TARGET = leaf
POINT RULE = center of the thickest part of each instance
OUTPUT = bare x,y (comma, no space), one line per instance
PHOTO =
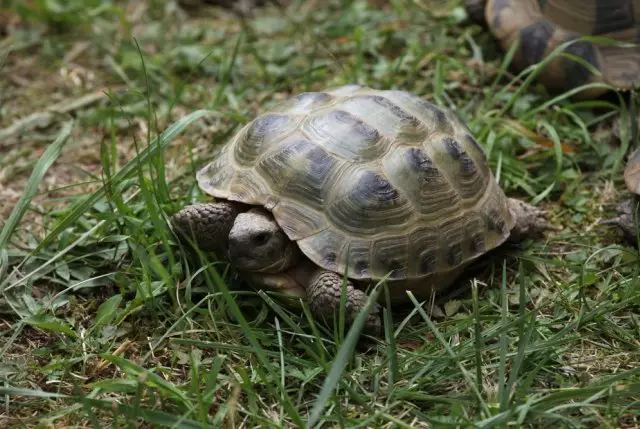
452,307
62,269
107,311
49,322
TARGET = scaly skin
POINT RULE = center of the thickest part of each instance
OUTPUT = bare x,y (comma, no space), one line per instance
324,294
530,220
208,224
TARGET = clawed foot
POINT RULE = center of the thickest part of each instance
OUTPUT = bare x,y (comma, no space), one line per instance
530,220
626,220
324,294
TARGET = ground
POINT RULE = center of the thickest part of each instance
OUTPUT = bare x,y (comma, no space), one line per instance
106,320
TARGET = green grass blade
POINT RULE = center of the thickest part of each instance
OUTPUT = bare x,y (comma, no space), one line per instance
503,395
49,156
127,171
342,358
472,385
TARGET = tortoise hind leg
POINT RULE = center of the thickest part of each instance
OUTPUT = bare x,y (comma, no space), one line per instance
324,293
208,224
530,220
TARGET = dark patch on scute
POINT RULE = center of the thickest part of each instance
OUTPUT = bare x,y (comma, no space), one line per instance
307,166
266,124
458,153
453,147
428,262
375,190
330,257
467,165
368,202
476,244
613,16
365,130
421,163
396,110
362,268
441,117
543,3
575,73
475,9
495,222
454,258
396,270
255,139
344,135
534,41
320,162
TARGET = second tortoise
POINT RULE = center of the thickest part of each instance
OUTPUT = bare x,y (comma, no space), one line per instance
541,26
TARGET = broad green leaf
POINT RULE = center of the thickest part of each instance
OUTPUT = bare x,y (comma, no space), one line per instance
49,322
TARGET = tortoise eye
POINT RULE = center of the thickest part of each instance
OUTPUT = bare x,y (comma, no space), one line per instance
261,238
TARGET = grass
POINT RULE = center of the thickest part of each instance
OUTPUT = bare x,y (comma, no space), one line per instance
109,108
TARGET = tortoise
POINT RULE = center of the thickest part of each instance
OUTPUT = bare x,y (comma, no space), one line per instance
354,183
541,26
627,219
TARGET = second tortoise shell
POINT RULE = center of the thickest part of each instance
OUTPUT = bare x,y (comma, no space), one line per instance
541,26
368,183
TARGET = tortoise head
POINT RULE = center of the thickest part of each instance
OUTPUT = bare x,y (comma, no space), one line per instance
258,244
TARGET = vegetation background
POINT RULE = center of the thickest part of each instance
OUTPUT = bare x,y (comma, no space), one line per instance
107,108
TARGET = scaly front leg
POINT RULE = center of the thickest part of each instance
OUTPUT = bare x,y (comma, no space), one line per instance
324,294
208,224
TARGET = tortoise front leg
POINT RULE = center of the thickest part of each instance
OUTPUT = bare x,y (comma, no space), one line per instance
324,293
208,224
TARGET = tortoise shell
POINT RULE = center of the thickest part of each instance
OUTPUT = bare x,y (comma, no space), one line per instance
541,26
368,183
